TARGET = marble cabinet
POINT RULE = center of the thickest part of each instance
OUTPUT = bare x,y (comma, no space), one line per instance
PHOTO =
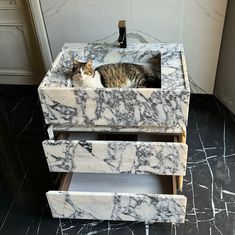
122,151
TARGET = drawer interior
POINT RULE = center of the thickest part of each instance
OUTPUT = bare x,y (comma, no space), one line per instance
147,137
121,183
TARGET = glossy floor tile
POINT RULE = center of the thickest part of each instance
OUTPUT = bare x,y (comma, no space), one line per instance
24,177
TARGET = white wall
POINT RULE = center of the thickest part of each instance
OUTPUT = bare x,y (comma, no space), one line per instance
196,23
225,81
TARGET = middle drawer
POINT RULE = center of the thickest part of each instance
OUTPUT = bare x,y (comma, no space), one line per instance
136,153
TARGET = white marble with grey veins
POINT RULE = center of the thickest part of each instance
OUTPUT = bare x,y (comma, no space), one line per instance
118,197
110,129
116,157
165,107
117,206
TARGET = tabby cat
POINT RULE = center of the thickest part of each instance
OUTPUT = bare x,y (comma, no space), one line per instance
119,75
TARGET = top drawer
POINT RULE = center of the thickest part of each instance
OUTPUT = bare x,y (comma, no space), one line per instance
163,107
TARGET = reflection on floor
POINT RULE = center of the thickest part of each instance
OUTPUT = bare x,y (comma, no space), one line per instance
24,177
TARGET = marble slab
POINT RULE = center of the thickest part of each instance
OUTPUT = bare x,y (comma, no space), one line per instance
117,206
118,197
176,130
116,156
166,107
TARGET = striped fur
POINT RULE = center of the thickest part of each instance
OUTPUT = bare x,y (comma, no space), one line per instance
118,75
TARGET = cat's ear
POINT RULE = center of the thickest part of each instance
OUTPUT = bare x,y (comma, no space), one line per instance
76,65
76,62
89,64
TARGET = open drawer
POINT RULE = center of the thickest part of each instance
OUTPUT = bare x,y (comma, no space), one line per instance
136,153
127,197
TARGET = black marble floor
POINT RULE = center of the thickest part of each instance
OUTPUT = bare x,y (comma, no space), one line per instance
24,177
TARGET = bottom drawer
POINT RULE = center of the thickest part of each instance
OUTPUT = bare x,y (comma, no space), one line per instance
122,197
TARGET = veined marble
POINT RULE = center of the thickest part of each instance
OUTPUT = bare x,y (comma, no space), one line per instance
173,130
165,107
116,157
118,206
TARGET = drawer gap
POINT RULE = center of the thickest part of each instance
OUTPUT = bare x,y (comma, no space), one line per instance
118,183
65,181
146,137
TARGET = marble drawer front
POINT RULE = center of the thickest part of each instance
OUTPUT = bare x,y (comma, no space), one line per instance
140,153
120,197
163,107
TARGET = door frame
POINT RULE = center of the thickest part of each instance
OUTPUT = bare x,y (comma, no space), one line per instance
41,33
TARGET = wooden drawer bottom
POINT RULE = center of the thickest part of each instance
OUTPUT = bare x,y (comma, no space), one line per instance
122,197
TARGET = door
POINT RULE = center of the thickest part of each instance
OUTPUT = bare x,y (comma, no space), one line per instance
20,58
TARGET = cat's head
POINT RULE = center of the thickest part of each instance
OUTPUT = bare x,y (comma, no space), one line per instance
82,70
